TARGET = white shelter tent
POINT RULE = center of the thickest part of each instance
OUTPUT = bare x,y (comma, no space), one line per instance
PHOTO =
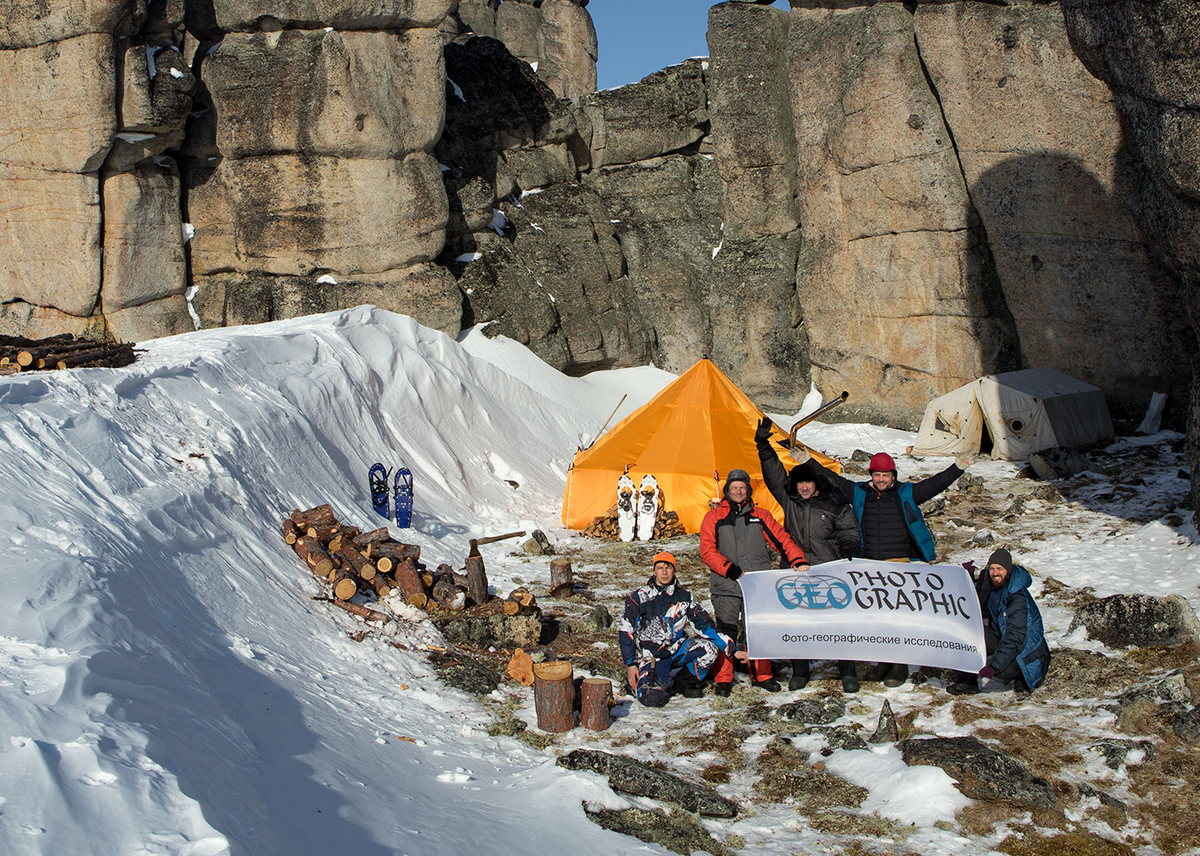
1023,412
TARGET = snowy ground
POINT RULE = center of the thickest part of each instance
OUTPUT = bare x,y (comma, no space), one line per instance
170,687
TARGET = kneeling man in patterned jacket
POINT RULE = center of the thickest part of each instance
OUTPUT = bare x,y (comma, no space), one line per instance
659,654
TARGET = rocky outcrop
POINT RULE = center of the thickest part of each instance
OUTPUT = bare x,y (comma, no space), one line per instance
980,771
629,776
1141,620
1146,53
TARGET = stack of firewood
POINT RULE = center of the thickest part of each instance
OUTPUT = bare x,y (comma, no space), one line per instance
354,561
666,524
18,354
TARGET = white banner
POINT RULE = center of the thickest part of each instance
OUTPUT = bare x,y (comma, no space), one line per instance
860,609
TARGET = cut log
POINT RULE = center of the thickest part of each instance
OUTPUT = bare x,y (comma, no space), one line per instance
419,600
562,581
383,563
407,579
477,582
375,536
427,579
290,532
314,555
520,667
313,516
323,532
510,607
554,696
595,703
345,585
83,357
522,596
395,550
356,609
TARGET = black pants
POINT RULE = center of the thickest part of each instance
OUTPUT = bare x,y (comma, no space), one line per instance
1012,671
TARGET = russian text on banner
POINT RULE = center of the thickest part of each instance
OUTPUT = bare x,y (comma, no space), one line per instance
860,609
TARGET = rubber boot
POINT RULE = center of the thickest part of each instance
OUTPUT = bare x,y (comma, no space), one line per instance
896,675
846,670
878,672
687,685
799,675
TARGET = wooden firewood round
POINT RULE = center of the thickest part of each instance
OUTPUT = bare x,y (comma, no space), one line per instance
345,585
596,700
554,696
562,582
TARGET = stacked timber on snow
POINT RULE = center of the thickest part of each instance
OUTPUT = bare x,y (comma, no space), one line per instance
18,354
666,524
357,562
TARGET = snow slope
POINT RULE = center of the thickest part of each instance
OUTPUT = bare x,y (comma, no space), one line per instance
169,687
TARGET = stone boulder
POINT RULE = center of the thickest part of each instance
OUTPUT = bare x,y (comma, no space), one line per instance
815,710
981,772
554,37
665,112
628,776
1140,620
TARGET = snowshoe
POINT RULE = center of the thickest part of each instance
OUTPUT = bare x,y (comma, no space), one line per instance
404,497
647,507
377,481
626,514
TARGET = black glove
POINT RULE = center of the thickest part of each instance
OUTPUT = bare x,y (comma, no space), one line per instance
732,572
763,431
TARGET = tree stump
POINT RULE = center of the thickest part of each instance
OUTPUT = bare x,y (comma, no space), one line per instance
562,583
554,696
596,700
477,584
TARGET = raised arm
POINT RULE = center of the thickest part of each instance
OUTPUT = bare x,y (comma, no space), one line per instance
773,471
927,489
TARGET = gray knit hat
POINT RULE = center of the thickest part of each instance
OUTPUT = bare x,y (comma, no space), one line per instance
736,476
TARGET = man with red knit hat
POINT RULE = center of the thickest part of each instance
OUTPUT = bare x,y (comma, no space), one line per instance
890,523
736,537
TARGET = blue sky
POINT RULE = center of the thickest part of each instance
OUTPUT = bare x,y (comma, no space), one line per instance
638,37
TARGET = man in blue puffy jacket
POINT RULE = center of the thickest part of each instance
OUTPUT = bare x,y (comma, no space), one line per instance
1016,644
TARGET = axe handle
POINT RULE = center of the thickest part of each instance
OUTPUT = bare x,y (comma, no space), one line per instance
475,542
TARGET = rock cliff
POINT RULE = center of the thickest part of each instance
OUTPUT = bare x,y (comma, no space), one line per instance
888,198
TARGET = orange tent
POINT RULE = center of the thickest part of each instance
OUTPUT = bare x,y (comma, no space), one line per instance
693,432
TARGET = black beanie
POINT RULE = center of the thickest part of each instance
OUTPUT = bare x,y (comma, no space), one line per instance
1002,558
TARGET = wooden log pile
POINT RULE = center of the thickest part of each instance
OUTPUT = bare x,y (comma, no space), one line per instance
355,562
666,524
64,351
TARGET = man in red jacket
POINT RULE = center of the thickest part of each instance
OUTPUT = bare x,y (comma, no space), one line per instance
736,537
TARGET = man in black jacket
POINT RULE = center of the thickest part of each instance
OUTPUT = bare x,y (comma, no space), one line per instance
824,529
890,522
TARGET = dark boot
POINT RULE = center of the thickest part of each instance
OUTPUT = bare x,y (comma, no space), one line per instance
878,672
799,675
896,675
723,690
846,670
687,685
770,685
964,684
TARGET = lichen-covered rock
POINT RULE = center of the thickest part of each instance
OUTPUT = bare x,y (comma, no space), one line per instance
1187,726
1141,620
676,831
500,631
166,316
665,112
633,777
464,673
886,730
815,710
981,772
